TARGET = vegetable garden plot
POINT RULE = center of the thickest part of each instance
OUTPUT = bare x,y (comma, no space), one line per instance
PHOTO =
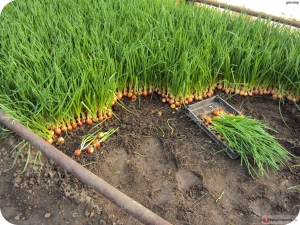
66,63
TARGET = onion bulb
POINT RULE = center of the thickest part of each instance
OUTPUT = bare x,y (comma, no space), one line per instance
208,119
57,131
100,135
77,152
50,141
203,116
60,141
133,98
130,94
216,112
89,121
90,149
96,143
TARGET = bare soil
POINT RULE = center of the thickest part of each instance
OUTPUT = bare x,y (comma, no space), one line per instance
165,162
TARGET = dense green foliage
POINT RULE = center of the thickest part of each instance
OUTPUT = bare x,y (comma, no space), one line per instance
60,56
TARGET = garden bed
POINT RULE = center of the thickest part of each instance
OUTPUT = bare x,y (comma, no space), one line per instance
176,175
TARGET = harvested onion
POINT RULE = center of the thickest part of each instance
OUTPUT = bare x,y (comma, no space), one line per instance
208,119
96,143
216,112
77,152
90,149
100,135
60,141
